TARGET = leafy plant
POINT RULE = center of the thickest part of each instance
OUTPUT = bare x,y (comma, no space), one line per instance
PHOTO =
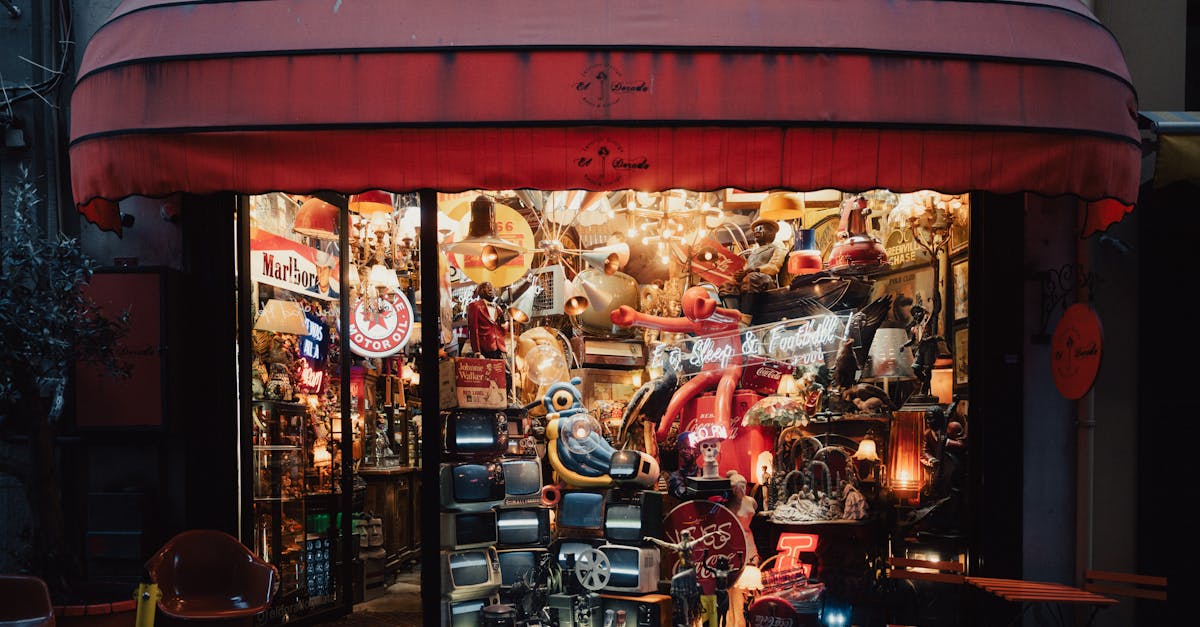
47,323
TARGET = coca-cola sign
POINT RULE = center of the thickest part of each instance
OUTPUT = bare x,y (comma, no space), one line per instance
726,538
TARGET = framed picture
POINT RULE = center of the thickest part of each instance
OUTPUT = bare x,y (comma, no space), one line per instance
907,288
958,273
960,232
960,355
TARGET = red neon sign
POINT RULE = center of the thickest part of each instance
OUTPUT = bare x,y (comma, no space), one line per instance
791,545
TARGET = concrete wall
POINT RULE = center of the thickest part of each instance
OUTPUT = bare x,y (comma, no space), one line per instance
1153,36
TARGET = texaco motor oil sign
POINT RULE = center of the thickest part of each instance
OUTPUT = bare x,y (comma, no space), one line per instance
381,326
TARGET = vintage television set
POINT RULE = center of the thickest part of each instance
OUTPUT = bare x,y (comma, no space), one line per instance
468,613
475,432
563,547
469,574
515,563
634,467
468,530
629,520
632,569
523,526
522,481
581,512
471,487
651,610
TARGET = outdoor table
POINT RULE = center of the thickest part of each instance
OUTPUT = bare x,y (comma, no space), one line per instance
1030,593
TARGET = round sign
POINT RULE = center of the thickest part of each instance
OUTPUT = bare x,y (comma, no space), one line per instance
1075,351
511,226
380,326
728,539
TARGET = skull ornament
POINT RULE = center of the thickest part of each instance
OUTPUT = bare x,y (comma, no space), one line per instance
709,450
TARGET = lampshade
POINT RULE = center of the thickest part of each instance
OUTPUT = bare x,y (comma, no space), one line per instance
352,274
575,302
750,579
905,473
380,222
282,316
317,218
482,239
522,308
606,260
866,451
781,206
598,299
369,202
383,276
941,383
890,359
787,385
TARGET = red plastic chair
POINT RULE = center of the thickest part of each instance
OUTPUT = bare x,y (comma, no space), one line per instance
24,602
209,575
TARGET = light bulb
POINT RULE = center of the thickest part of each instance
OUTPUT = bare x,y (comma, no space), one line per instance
632,231
666,260
581,430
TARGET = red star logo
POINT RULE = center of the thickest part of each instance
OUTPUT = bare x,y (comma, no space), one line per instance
376,319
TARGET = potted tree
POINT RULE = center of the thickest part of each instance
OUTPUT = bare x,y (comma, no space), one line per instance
47,324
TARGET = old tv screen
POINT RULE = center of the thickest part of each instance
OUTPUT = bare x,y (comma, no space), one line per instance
523,526
469,568
475,483
517,564
464,529
522,477
476,431
582,510
467,613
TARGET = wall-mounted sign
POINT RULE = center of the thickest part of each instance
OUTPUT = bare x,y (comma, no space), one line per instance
315,345
726,539
379,327
279,261
1075,351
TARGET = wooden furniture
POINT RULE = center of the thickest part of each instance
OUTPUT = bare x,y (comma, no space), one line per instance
925,570
392,495
1031,593
1125,584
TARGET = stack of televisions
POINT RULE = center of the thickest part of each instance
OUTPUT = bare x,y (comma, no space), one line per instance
496,532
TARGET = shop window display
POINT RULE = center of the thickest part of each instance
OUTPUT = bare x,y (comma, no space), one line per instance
689,379
305,447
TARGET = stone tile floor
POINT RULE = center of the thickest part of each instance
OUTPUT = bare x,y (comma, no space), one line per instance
399,606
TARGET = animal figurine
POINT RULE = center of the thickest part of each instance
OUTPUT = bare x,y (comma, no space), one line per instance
649,402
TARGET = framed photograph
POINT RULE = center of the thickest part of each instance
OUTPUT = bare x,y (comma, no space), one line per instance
958,273
960,233
960,355
907,288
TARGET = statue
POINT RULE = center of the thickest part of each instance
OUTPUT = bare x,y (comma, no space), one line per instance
764,260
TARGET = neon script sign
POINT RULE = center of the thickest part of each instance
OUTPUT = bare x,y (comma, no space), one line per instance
803,341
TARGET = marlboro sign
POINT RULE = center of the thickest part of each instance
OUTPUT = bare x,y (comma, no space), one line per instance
279,261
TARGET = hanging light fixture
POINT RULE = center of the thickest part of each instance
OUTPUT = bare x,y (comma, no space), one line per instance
576,301
522,309
607,258
482,240
317,219
597,298
383,278
371,202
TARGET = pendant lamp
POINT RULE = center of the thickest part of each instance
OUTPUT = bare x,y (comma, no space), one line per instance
317,219
369,202
482,240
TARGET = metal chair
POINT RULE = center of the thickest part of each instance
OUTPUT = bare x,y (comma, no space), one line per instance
24,602
209,575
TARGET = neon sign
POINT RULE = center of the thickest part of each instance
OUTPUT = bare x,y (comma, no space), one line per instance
803,341
790,546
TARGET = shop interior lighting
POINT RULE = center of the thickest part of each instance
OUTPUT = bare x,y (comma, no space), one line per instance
282,316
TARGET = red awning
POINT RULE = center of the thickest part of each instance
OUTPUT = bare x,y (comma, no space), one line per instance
304,95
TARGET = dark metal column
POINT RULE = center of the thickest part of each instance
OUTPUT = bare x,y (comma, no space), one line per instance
431,582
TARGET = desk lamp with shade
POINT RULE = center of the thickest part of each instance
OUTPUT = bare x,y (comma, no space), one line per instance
891,361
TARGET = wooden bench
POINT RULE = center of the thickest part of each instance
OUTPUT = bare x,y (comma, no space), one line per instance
925,570
1125,585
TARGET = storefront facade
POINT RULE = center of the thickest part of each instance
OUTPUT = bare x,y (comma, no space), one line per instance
644,104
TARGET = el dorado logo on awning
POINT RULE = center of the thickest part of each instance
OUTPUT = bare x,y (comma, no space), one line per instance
380,326
605,163
603,85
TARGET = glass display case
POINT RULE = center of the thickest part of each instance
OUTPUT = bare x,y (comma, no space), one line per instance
278,432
